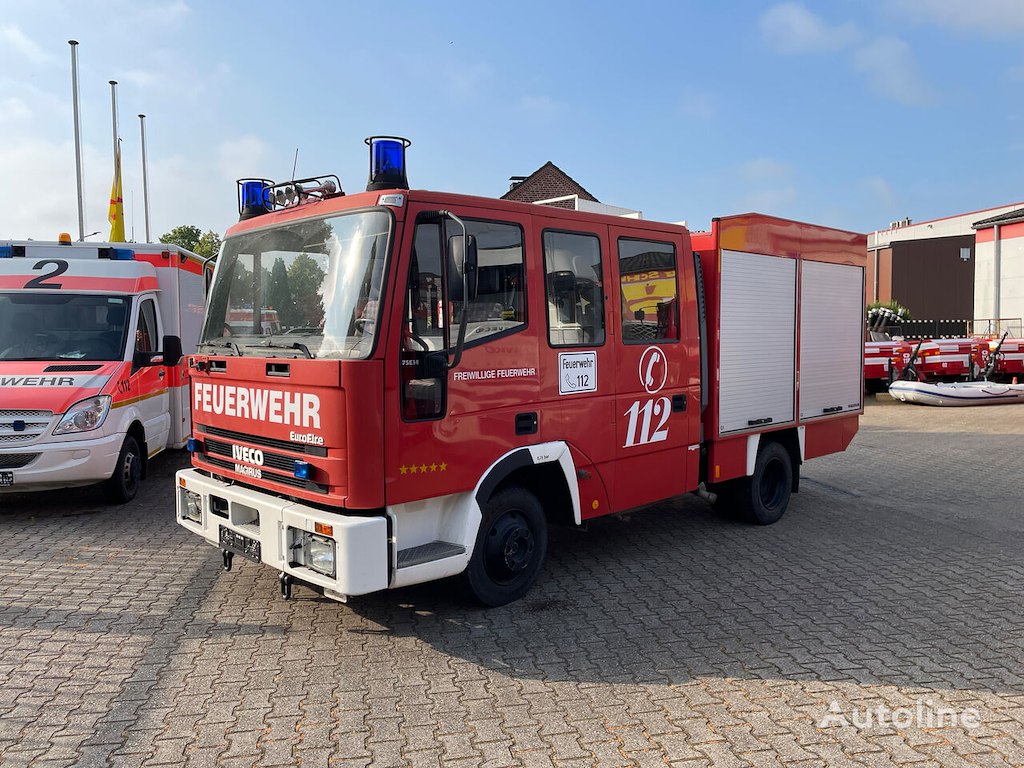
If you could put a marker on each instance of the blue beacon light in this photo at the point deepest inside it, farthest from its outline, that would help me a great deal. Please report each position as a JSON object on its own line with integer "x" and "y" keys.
{"x": 253, "y": 198}
{"x": 303, "y": 470}
{"x": 387, "y": 163}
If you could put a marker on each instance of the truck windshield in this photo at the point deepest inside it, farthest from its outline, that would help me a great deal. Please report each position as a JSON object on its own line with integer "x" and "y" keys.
{"x": 309, "y": 287}
{"x": 46, "y": 326}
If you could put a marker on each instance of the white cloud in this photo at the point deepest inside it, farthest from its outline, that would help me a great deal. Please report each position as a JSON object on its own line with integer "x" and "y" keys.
{"x": 994, "y": 17}
{"x": 880, "y": 192}
{"x": 44, "y": 202}
{"x": 765, "y": 169}
{"x": 775, "y": 201}
{"x": 541, "y": 106}
{"x": 888, "y": 63}
{"x": 12, "y": 36}
{"x": 698, "y": 105}
{"x": 14, "y": 110}
{"x": 242, "y": 157}
{"x": 790, "y": 28}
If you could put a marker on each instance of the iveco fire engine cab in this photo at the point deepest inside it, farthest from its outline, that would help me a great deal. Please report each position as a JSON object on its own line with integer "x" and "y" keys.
{"x": 92, "y": 377}
{"x": 457, "y": 373}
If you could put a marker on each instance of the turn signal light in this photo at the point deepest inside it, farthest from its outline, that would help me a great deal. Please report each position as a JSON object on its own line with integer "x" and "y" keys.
{"x": 324, "y": 529}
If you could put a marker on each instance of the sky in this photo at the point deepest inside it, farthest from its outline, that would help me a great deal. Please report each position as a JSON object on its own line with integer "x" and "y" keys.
{"x": 849, "y": 113}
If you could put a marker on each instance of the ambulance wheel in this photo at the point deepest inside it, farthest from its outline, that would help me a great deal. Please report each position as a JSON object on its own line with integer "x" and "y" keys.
{"x": 124, "y": 483}
{"x": 764, "y": 495}
{"x": 510, "y": 548}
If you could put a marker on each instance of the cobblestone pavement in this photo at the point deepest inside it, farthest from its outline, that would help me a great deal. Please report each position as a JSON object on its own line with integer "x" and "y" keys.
{"x": 674, "y": 636}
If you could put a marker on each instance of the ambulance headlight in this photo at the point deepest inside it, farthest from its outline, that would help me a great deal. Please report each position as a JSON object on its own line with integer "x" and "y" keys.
{"x": 192, "y": 508}
{"x": 84, "y": 416}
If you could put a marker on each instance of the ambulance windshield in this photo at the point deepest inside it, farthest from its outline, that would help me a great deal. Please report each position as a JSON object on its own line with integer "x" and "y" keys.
{"x": 49, "y": 326}
{"x": 304, "y": 288}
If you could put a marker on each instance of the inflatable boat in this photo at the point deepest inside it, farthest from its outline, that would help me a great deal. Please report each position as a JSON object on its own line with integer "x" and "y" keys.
{"x": 956, "y": 393}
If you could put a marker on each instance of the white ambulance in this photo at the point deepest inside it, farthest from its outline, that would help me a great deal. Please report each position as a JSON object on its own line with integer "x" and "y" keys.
{"x": 92, "y": 373}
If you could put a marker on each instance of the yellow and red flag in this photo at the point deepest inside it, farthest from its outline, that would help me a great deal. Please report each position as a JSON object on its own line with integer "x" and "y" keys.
{"x": 116, "y": 213}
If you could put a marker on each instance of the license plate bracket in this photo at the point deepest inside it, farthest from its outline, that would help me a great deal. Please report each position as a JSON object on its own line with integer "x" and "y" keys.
{"x": 6, "y": 479}
{"x": 247, "y": 547}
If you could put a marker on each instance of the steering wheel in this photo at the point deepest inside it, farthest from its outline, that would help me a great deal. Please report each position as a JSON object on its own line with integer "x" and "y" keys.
{"x": 412, "y": 336}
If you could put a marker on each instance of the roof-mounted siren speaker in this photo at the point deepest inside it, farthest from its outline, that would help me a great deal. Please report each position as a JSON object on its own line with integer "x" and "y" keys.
{"x": 254, "y": 198}
{"x": 387, "y": 163}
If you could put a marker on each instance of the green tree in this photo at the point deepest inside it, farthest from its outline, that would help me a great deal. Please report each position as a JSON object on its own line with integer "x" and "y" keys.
{"x": 304, "y": 279}
{"x": 208, "y": 245}
{"x": 185, "y": 236}
{"x": 279, "y": 295}
{"x": 192, "y": 238}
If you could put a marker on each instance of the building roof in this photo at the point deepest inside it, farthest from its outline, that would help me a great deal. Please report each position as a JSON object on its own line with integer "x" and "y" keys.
{"x": 1010, "y": 217}
{"x": 546, "y": 182}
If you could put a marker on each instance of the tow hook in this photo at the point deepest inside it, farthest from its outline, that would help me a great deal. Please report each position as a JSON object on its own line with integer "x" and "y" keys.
{"x": 709, "y": 496}
{"x": 228, "y": 557}
{"x": 286, "y": 585}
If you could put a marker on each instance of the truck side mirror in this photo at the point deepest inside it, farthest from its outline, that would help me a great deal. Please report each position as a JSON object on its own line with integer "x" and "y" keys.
{"x": 462, "y": 271}
{"x": 172, "y": 350}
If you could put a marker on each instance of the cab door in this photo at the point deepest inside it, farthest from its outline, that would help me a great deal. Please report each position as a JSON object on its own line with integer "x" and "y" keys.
{"x": 149, "y": 382}
{"x": 448, "y": 420}
{"x": 657, "y": 376}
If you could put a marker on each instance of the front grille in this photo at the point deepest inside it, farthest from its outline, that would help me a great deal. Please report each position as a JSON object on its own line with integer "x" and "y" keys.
{"x": 16, "y": 460}
{"x": 289, "y": 480}
{"x": 23, "y": 426}
{"x": 267, "y": 442}
{"x": 272, "y": 460}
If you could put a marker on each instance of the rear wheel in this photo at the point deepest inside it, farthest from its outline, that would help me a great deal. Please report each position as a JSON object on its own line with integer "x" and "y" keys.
{"x": 763, "y": 497}
{"x": 510, "y": 548}
{"x": 124, "y": 483}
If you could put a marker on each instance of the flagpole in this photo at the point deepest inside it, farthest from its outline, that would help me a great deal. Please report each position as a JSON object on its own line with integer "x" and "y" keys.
{"x": 78, "y": 137}
{"x": 145, "y": 175}
{"x": 113, "y": 110}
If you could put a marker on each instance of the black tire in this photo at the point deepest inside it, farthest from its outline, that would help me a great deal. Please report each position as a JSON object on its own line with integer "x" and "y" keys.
{"x": 124, "y": 483}
{"x": 509, "y": 549}
{"x": 764, "y": 496}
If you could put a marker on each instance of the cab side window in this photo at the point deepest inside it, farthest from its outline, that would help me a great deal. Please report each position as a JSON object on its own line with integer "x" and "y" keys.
{"x": 146, "y": 339}
{"x": 573, "y": 289}
{"x": 648, "y": 292}
{"x": 500, "y": 303}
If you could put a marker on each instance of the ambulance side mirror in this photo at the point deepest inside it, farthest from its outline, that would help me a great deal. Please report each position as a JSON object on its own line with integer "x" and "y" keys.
{"x": 172, "y": 350}
{"x": 461, "y": 268}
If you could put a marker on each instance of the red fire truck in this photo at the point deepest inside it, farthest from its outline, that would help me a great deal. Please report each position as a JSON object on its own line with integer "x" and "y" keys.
{"x": 92, "y": 379}
{"x": 469, "y": 371}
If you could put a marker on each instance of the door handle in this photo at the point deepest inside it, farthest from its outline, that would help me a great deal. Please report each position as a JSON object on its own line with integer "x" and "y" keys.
{"x": 160, "y": 374}
{"x": 526, "y": 423}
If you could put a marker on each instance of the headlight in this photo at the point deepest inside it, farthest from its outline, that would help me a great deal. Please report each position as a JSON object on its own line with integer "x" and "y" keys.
{"x": 321, "y": 555}
{"x": 84, "y": 416}
{"x": 192, "y": 509}
{"x": 313, "y": 551}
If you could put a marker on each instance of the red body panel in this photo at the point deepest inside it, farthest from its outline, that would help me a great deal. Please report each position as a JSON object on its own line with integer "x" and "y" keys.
{"x": 373, "y": 454}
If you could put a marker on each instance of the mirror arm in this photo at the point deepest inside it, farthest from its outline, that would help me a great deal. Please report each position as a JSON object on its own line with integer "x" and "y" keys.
{"x": 457, "y": 356}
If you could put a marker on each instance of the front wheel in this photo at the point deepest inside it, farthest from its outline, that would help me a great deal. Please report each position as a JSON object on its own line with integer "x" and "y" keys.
{"x": 763, "y": 497}
{"x": 124, "y": 483}
{"x": 510, "y": 548}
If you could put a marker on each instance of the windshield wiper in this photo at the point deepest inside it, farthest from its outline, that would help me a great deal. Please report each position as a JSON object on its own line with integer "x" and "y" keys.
{"x": 301, "y": 347}
{"x": 228, "y": 344}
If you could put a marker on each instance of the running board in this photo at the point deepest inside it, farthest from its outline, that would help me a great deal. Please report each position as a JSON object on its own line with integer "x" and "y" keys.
{"x": 427, "y": 553}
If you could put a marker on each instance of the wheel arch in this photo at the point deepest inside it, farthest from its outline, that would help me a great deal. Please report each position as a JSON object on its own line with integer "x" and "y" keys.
{"x": 791, "y": 439}
{"x": 547, "y": 471}
{"x": 136, "y": 430}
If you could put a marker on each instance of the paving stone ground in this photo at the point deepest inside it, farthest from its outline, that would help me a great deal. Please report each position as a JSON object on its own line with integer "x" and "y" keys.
{"x": 673, "y": 636}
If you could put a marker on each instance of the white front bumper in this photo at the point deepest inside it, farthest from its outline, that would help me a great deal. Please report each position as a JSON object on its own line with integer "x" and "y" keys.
{"x": 361, "y": 543}
{"x": 63, "y": 465}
